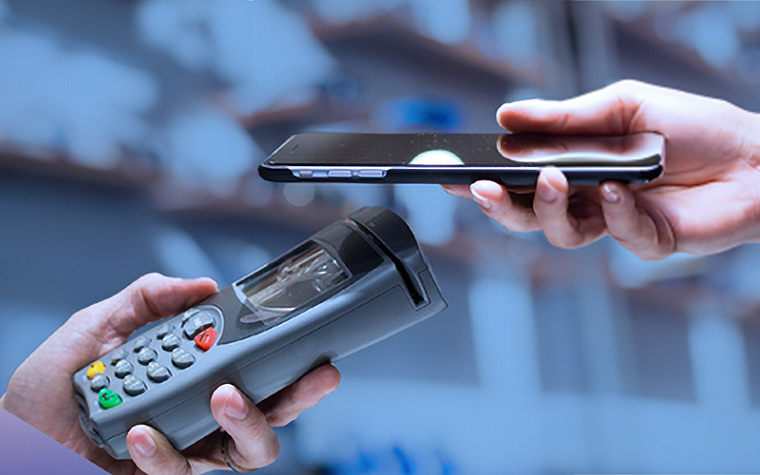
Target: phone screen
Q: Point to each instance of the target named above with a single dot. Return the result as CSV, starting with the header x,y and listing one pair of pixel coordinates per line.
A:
x,y
469,150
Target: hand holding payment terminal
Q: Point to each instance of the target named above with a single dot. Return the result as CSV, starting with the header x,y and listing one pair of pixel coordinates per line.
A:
x,y
349,286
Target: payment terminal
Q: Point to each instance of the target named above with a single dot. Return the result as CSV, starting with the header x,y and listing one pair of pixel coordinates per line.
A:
x,y
349,286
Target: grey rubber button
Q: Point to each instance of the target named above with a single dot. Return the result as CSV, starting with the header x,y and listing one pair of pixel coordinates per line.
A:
x,y
170,342
119,355
162,331
186,316
133,385
99,382
141,342
122,368
196,323
157,372
182,359
146,355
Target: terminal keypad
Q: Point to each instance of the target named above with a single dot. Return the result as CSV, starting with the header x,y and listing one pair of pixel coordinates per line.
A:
x,y
154,357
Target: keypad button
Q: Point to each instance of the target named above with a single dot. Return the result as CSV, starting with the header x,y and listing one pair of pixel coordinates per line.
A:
x,y
133,385
170,342
162,331
140,343
182,359
108,398
146,355
190,313
119,355
197,323
123,368
99,382
158,373
205,339
95,368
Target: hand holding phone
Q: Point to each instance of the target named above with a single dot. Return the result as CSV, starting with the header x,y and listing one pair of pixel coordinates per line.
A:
x,y
706,201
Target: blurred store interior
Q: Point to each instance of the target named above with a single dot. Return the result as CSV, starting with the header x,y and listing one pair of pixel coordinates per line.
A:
x,y
130,133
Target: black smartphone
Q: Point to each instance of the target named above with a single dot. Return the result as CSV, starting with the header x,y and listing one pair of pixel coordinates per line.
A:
x,y
512,159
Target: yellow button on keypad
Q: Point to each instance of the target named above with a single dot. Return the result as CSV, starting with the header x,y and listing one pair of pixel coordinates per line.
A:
x,y
95,368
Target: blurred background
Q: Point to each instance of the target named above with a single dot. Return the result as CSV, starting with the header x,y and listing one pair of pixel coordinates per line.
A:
x,y
130,132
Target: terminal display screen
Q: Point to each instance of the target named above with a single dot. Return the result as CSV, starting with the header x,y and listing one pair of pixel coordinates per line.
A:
x,y
298,280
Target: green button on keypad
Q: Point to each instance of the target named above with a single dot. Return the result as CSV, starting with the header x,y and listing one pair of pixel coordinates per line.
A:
x,y
108,399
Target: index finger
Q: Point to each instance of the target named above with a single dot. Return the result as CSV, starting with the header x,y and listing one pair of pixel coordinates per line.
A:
x,y
286,405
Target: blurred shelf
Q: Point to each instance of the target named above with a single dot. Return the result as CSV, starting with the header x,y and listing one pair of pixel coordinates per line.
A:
x,y
642,31
395,26
317,109
184,200
126,172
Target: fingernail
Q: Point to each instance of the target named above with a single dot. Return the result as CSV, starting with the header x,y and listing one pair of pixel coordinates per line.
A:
x,y
499,111
145,445
236,406
479,199
549,179
547,193
610,194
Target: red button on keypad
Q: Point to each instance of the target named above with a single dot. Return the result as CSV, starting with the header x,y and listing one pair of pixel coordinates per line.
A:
x,y
205,339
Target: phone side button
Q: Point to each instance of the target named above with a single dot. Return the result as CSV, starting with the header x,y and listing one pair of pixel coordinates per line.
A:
x,y
339,173
303,173
370,173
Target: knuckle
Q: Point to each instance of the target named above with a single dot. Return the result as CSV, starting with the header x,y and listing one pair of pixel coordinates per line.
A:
x,y
653,255
148,279
512,223
626,85
276,420
270,452
258,429
564,240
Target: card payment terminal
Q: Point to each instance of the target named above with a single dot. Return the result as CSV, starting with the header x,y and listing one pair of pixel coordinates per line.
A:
x,y
349,286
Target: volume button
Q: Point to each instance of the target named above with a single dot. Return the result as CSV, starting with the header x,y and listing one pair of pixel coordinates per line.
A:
x,y
371,173
339,173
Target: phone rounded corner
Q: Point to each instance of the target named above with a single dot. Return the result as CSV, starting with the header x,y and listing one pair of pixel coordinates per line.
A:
x,y
269,172
656,172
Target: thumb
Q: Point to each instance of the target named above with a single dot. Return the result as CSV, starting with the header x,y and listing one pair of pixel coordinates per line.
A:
x,y
151,297
607,111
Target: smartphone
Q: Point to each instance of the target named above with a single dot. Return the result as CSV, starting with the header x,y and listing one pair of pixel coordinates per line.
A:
x,y
512,159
